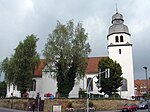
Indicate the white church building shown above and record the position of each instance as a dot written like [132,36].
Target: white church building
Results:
[119,49]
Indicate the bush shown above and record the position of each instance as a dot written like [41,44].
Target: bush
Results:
[82,93]
[69,105]
[91,104]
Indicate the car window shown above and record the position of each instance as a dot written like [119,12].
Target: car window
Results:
[127,105]
[143,103]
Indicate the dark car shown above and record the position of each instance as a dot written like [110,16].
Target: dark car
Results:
[143,105]
[129,108]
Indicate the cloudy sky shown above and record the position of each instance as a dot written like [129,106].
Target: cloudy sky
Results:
[19,18]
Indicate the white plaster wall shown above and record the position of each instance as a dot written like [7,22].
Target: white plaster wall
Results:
[83,83]
[48,85]
[10,90]
[111,39]
[33,94]
[44,84]
[16,93]
[125,59]
[75,91]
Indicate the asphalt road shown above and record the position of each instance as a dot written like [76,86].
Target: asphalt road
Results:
[141,110]
[13,110]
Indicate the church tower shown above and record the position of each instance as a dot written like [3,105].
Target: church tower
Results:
[120,50]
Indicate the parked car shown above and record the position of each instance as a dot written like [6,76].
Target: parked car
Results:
[129,107]
[143,105]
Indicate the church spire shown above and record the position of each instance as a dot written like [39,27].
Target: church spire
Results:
[116,8]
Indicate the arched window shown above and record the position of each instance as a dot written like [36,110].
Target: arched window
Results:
[33,85]
[89,80]
[121,38]
[117,39]
[124,85]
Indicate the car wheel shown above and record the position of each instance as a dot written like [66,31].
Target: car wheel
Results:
[146,107]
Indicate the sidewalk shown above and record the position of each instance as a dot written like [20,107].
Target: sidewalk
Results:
[15,110]
[12,110]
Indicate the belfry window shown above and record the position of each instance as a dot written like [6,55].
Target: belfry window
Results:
[117,39]
[121,38]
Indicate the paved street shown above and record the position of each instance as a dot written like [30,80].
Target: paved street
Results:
[143,110]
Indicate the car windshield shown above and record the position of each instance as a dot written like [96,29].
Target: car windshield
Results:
[128,105]
[143,103]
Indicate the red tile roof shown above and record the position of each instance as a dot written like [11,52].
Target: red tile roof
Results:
[141,82]
[141,86]
[39,68]
[92,67]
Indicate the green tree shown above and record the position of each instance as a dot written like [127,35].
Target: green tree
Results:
[66,52]
[3,88]
[109,85]
[146,96]
[26,58]
[19,69]
[8,67]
